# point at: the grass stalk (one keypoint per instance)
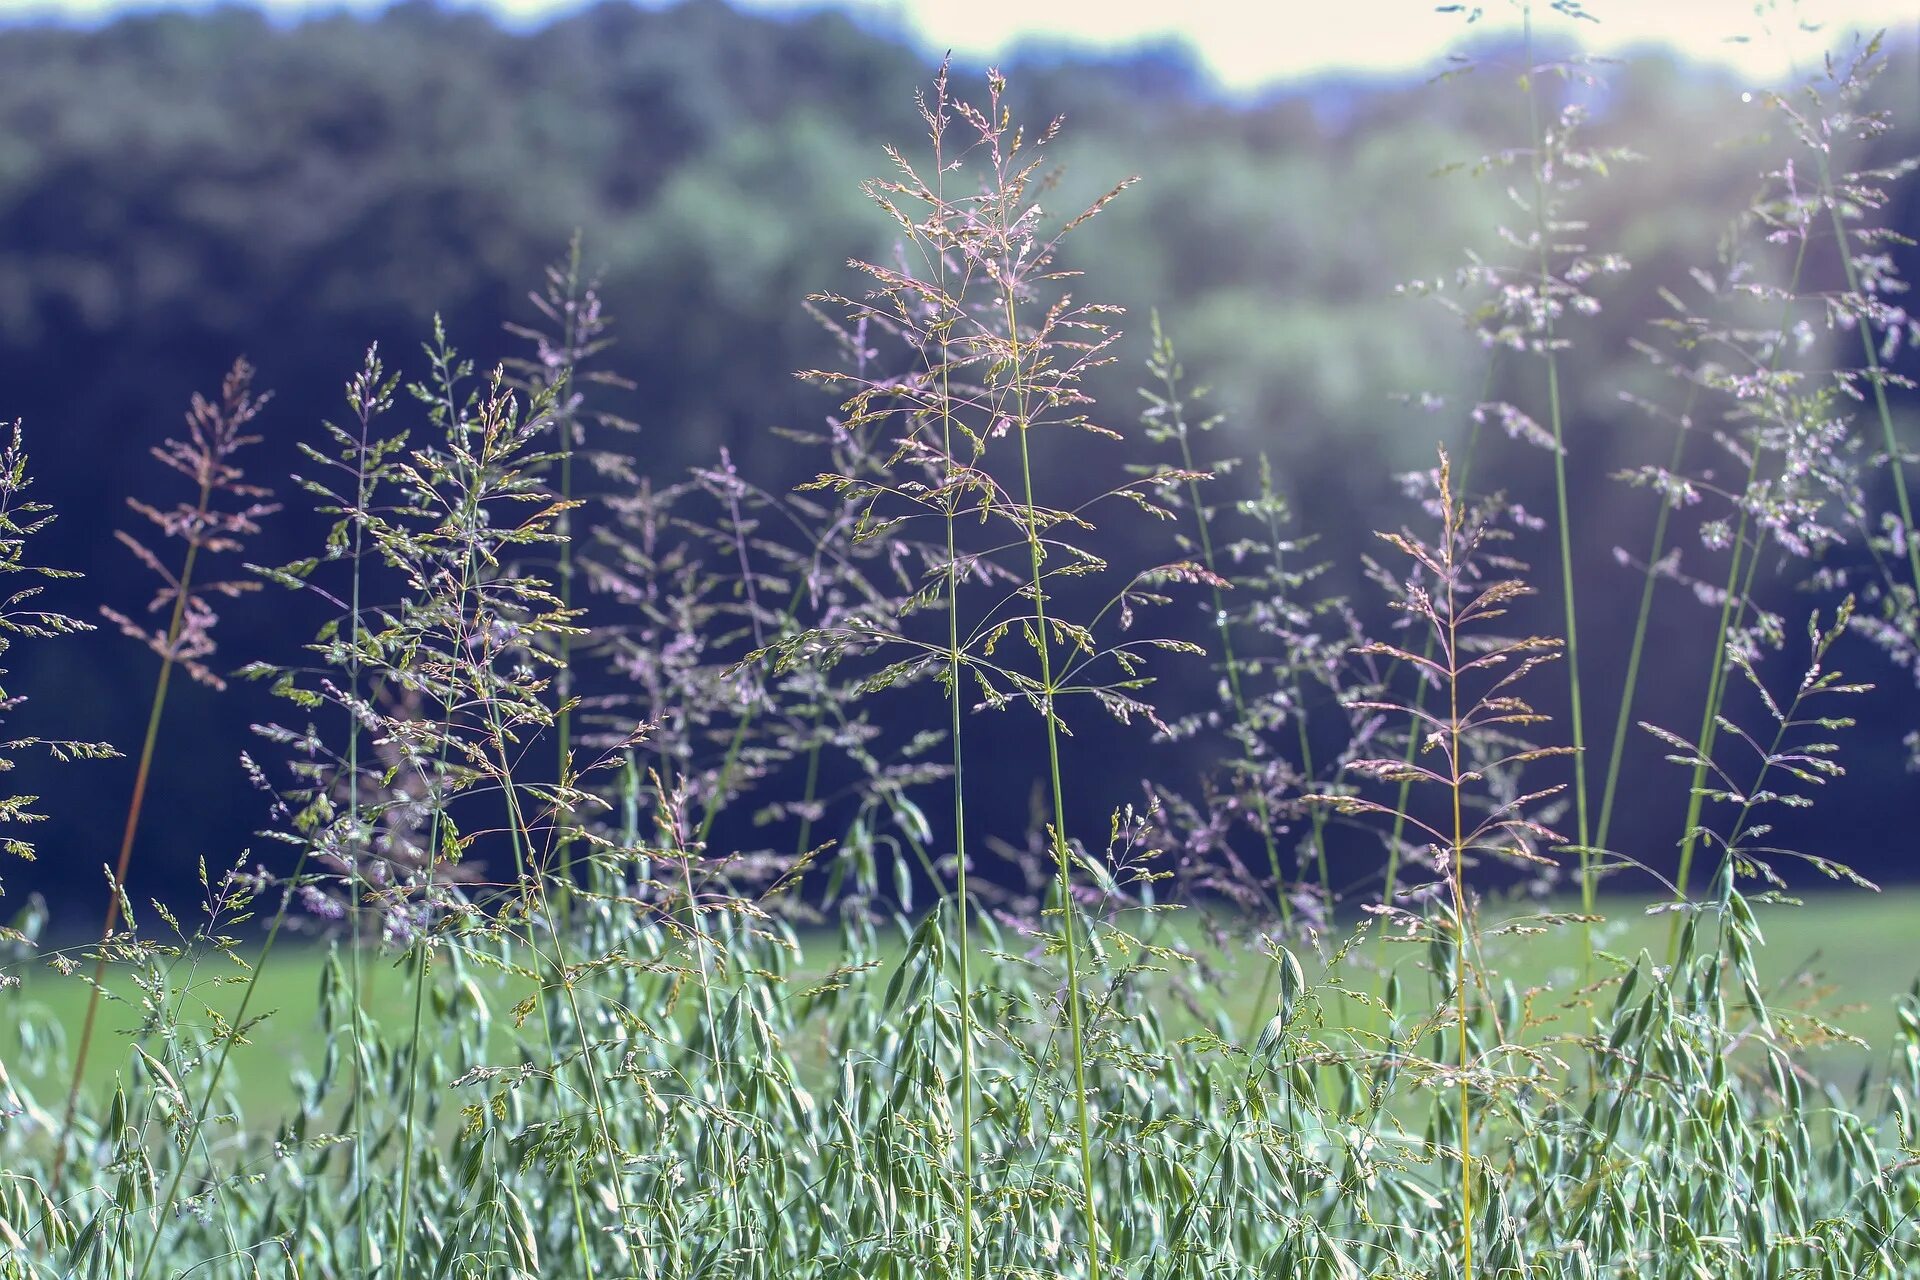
(418, 977)
(1732, 607)
(534, 878)
(1543, 231)
(164, 1209)
(1318, 817)
(961, 892)
(1636, 649)
(444, 369)
(355, 848)
(1397, 833)
(142, 773)
(1062, 854)
(1889, 438)
(563, 680)
(1456, 872)
(1203, 528)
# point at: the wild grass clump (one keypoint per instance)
(657, 803)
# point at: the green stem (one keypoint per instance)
(564, 679)
(731, 759)
(809, 792)
(1061, 853)
(535, 879)
(962, 899)
(1542, 232)
(1732, 608)
(1318, 817)
(419, 974)
(1235, 693)
(363, 496)
(713, 1025)
(1875, 375)
(1456, 872)
(219, 1067)
(140, 778)
(1710, 713)
(468, 575)
(1637, 650)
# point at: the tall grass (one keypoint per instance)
(629, 783)
(207, 459)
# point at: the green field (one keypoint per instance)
(1844, 954)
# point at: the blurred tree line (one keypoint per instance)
(179, 189)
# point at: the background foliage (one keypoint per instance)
(177, 190)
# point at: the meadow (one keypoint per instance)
(1837, 954)
(623, 908)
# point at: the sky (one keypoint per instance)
(1248, 44)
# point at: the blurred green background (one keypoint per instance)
(177, 189)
